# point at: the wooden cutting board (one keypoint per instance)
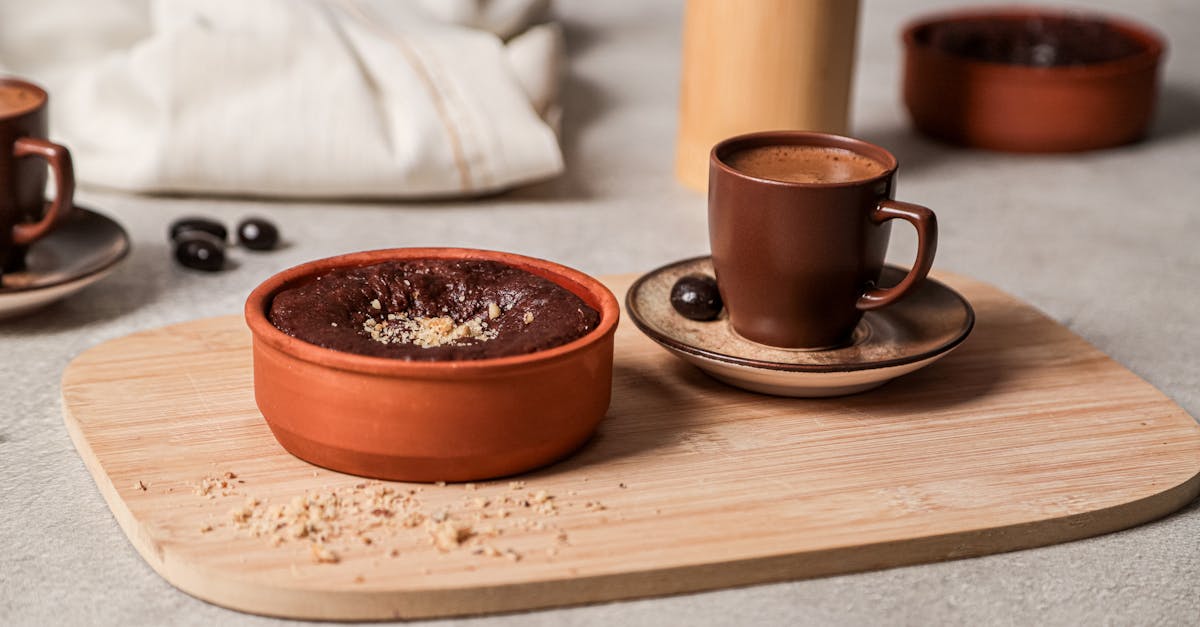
(1024, 436)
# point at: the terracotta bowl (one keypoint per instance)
(431, 421)
(955, 96)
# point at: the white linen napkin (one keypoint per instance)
(295, 98)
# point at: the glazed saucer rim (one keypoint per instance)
(683, 347)
(107, 266)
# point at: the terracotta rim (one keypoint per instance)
(1153, 44)
(802, 138)
(594, 293)
(682, 347)
(8, 80)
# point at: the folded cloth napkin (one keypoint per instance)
(295, 98)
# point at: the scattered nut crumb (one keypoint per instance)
(449, 535)
(213, 486)
(528, 317)
(375, 304)
(322, 555)
(493, 311)
(371, 516)
(240, 515)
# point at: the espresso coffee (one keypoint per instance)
(798, 264)
(17, 98)
(804, 164)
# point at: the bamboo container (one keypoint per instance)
(761, 65)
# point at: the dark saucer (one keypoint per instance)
(888, 343)
(80, 252)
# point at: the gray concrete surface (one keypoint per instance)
(1104, 242)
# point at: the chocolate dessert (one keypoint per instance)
(1033, 41)
(433, 310)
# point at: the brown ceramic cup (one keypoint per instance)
(797, 262)
(25, 216)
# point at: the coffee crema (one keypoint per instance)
(804, 164)
(17, 99)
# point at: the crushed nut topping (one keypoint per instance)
(427, 332)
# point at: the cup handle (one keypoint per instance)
(925, 223)
(63, 204)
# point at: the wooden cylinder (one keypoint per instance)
(761, 65)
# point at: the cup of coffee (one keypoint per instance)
(25, 216)
(799, 225)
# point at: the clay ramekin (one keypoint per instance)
(1001, 106)
(432, 421)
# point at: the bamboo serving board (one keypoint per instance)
(1024, 436)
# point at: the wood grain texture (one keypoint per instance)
(1024, 436)
(761, 66)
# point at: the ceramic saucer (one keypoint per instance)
(911, 334)
(80, 252)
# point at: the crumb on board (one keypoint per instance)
(377, 519)
(322, 554)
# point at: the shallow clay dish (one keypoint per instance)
(432, 420)
(907, 336)
(1030, 104)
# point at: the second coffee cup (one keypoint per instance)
(799, 224)
(25, 216)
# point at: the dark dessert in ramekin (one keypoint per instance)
(515, 373)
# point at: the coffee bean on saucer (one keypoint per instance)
(695, 297)
(257, 234)
(195, 223)
(200, 250)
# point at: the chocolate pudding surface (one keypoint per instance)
(1048, 41)
(432, 310)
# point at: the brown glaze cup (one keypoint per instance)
(1020, 108)
(25, 216)
(432, 421)
(797, 263)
